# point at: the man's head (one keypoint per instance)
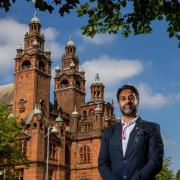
(128, 99)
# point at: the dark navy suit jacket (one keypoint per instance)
(144, 154)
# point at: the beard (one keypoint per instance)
(129, 110)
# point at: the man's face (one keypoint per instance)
(128, 102)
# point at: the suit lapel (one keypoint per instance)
(118, 137)
(132, 135)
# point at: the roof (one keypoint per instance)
(70, 42)
(7, 93)
(97, 79)
(35, 19)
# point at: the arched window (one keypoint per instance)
(95, 95)
(41, 66)
(22, 103)
(91, 111)
(26, 64)
(84, 114)
(52, 151)
(67, 154)
(64, 83)
(98, 94)
(85, 154)
(78, 85)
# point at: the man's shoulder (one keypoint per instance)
(109, 130)
(150, 124)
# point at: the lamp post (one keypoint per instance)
(50, 130)
(3, 172)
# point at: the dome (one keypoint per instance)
(37, 110)
(70, 42)
(98, 108)
(75, 112)
(48, 50)
(97, 79)
(35, 19)
(59, 118)
(19, 47)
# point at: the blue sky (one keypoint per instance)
(150, 62)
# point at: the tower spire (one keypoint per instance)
(35, 19)
(97, 89)
(70, 41)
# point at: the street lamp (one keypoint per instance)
(3, 172)
(50, 130)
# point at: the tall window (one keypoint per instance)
(41, 65)
(50, 174)
(85, 154)
(84, 115)
(22, 146)
(52, 151)
(21, 172)
(78, 84)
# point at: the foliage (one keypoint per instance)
(9, 155)
(178, 175)
(166, 173)
(110, 16)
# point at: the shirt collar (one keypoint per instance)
(130, 122)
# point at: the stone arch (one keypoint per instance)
(64, 83)
(41, 65)
(78, 84)
(26, 64)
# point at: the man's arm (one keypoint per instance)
(104, 161)
(155, 157)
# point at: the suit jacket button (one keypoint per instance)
(124, 161)
(124, 177)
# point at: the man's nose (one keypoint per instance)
(128, 101)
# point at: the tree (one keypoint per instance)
(178, 175)
(166, 173)
(110, 16)
(9, 154)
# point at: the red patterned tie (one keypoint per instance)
(124, 132)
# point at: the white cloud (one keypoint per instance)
(150, 99)
(55, 47)
(12, 34)
(50, 33)
(100, 39)
(154, 100)
(111, 70)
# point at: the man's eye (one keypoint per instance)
(131, 98)
(122, 98)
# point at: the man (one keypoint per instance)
(131, 149)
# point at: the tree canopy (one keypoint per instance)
(111, 16)
(178, 175)
(10, 156)
(166, 173)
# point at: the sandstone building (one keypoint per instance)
(73, 150)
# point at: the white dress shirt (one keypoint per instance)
(126, 131)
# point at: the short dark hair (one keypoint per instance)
(127, 86)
